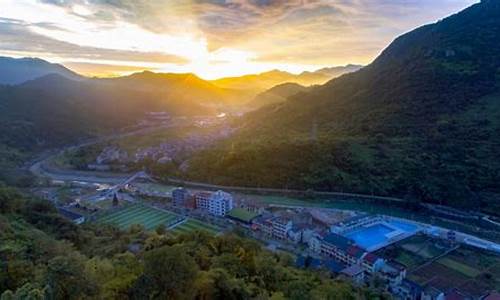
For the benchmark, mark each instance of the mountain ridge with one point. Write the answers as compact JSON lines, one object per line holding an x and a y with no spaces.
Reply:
{"x":418,"y":123}
{"x":19,"y":70}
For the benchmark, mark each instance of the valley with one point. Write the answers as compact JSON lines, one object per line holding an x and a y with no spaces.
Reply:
{"x":302,"y":179}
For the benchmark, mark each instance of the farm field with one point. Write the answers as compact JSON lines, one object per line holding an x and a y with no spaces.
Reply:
{"x":472,"y":272}
{"x":193,"y":225}
{"x":149,"y":217}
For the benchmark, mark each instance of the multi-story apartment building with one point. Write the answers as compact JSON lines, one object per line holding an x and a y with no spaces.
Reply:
{"x":281,"y":226}
{"x":181,"y":197}
{"x":218,"y":203}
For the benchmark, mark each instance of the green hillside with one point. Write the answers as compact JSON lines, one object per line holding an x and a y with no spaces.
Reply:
{"x":44,"y":256}
{"x":420,"y":122}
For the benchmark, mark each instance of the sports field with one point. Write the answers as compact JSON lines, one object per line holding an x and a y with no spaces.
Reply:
{"x":193,"y":225}
{"x":149,"y":217}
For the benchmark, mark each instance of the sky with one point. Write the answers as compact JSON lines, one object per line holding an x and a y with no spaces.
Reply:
{"x":212,"y":38}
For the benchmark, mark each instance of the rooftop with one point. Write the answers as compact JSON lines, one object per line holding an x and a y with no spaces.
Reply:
{"x":242,"y":214}
{"x":371,"y":258}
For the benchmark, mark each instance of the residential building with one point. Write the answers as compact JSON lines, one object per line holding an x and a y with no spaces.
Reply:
{"x":355,"y":222}
{"x":218,"y":203}
{"x":335,"y":246}
{"x":372,"y":263}
{"x":263,"y":224}
{"x":393,"y":273}
{"x":301,"y":233}
{"x":315,"y":242}
{"x":280,"y":227}
{"x":181,"y":197}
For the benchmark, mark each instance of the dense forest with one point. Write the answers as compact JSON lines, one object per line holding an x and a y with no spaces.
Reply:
{"x":43,"y":256}
{"x":420,"y":122}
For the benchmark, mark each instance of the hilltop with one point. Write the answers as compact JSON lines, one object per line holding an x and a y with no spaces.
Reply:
{"x":16,"y":71}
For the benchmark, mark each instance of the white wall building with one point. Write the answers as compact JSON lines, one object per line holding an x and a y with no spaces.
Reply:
{"x":218,"y":203}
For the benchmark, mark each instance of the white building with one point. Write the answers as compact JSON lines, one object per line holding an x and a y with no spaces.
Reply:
{"x":218,"y":203}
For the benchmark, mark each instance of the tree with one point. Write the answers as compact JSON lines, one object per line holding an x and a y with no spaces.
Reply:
{"x":10,"y":200}
{"x":115,"y":200}
{"x":68,"y":279}
{"x":171,"y":271}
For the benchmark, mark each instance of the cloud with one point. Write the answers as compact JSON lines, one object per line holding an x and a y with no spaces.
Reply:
{"x":16,"y":37}
{"x":194,"y":33}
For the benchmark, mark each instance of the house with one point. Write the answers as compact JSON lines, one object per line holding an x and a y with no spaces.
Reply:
{"x":315,"y":242}
{"x":301,"y":233}
{"x":355,"y":273}
{"x":372,"y":263}
{"x":182,"y":197}
{"x":72,"y":216}
{"x":218,"y":203}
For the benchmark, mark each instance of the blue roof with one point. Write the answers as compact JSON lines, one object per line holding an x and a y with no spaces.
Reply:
{"x":338,"y":241}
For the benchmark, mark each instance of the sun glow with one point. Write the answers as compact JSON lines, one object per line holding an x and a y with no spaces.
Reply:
{"x":210,"y":38}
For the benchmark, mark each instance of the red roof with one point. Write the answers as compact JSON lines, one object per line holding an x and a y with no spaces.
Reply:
{"x":355,"y":251}
{"x":371,"y":258}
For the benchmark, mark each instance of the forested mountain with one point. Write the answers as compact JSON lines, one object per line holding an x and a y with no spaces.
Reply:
{"x":16,"y":71}
{"x":277,"y":94}
{"x":420,"y":122}
{"x":263,"y":81}
{"x":53,"y":111}
{"x":45,"y":256}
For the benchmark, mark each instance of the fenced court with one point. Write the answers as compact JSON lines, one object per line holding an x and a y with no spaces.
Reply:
{"x":147,"y":216}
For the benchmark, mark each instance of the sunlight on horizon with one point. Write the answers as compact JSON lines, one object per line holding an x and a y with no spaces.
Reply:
{"x":209,"y":39}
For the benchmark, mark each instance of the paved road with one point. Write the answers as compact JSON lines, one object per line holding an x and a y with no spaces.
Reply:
{"x":41,"y":167}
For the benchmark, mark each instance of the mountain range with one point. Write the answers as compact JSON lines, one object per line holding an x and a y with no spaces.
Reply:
{"x":43,"y":105}
{"x":19,"y":70}
{"x":263,"y":81}
{"x":421,"y":122}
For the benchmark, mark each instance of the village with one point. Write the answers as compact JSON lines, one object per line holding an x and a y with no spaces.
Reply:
{"x":410,"y":260}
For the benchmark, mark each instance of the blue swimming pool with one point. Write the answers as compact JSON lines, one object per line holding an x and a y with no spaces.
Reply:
{"x":369,"y":236}
{"x":375,"y":237}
